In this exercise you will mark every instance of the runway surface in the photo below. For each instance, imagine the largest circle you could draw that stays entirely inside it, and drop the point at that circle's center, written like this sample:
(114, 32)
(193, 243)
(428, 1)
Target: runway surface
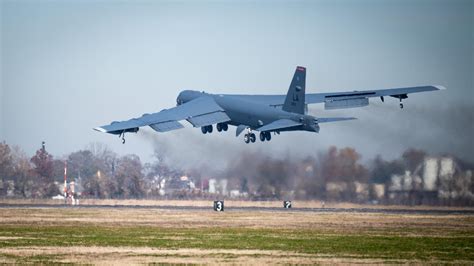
(252, 209)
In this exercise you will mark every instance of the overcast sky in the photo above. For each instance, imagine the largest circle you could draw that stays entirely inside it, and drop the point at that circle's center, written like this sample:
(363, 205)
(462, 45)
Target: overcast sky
(69, 66)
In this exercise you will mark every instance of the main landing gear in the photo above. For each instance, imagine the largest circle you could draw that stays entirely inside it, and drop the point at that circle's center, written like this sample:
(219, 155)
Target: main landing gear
(206, 129)
(265, 136)
(220, 127)
(250, 137)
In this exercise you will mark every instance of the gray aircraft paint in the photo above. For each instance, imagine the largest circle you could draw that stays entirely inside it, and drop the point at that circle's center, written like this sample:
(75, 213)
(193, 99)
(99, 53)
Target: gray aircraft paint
(295, 98)
(261, 113)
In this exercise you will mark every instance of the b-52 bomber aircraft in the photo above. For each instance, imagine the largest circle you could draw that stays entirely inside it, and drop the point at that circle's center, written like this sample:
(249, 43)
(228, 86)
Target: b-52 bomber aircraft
(261, 113)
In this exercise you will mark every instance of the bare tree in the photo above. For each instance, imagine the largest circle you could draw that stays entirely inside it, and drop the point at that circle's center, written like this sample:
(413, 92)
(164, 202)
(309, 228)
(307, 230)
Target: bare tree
(5, 166)
(84, 167)
(129, 177)
(22, 173)
(343, 167)
(413, 158)
(43, 171)
(156, 172)
(382, 171)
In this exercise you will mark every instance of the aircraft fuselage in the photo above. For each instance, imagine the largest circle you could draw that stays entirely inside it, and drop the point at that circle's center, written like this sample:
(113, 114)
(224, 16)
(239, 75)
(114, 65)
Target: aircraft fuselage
(251, 114)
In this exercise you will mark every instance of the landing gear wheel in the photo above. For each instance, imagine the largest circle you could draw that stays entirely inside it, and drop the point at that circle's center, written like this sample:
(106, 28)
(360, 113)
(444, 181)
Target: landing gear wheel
(209, 129)
(247, 138)
(401, 105)
(225, 127)
(219, 127)
(204, 130)
(252, 137)
(268, 136)
(262, 136)
(123, 139)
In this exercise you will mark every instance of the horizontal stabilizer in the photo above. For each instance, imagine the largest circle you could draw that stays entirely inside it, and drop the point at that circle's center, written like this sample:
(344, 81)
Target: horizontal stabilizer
(279, 124)
(334, 119)
(208, 119)
(166, 126)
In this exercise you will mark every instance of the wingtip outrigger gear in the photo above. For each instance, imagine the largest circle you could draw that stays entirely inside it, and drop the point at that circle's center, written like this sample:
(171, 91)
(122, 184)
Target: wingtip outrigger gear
(123, 136)
(400, 97)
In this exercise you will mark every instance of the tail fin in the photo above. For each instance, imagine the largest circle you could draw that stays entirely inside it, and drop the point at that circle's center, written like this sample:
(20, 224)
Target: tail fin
(295, 99)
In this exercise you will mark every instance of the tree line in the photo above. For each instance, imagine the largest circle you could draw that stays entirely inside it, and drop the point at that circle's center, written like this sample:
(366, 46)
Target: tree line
(100, 172)
(334, 174)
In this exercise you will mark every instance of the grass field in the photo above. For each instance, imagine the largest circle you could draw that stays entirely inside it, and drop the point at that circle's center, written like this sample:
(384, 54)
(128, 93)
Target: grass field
(137, 236)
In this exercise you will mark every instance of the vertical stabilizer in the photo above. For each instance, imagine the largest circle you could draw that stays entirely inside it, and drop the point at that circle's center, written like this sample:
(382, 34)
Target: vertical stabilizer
(295, 99)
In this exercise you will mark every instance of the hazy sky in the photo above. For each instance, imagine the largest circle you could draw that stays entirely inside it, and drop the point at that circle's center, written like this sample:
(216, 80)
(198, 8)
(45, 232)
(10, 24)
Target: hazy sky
(69, 66)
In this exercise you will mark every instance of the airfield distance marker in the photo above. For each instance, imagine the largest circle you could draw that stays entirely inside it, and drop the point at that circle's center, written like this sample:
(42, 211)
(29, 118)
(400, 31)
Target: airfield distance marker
(219, 205)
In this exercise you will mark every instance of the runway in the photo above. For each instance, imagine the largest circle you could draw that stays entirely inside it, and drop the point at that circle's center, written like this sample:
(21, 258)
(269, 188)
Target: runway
(252, 209)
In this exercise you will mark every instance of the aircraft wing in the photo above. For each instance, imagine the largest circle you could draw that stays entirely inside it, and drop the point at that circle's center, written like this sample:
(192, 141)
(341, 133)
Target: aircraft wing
(337, 100)
(279, 124)
(351, 99)
(199, 112)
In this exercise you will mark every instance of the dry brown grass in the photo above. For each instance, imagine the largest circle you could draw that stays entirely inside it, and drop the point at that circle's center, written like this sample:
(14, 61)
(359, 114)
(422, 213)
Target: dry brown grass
(138, 256)
(229, 203)
(325, 223)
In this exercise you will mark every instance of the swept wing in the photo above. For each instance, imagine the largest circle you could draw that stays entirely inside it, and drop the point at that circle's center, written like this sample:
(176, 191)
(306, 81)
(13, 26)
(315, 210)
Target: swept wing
(347, 99)
(199, 112)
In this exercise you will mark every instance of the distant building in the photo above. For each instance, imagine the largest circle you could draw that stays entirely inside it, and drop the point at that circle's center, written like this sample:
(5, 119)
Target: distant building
(436, 179)
(218, 187)
(212, 186)
(235, 193)
(378, 191)
(335, 190)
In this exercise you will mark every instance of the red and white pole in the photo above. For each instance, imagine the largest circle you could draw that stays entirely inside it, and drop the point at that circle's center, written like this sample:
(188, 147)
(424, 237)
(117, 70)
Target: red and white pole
(65, 179)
